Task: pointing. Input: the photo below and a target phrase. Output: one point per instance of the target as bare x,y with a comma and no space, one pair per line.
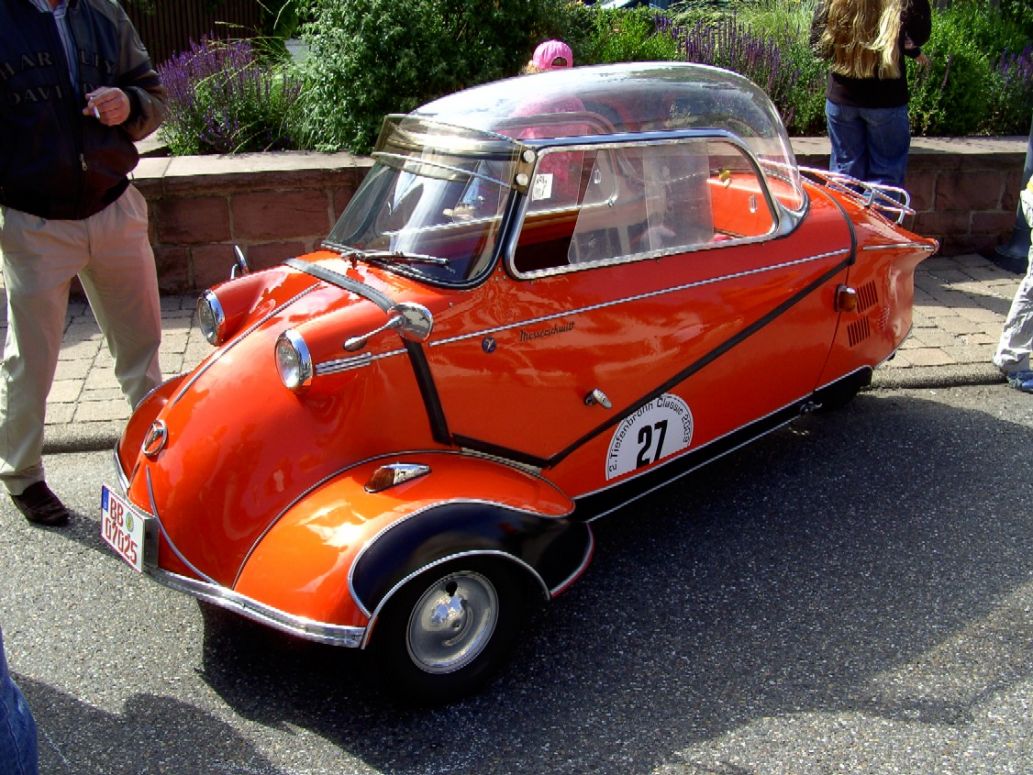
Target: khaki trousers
1016,345
111,254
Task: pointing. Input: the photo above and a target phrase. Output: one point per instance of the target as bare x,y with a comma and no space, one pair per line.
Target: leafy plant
1011,95
222,99
373,57
783,66
635,35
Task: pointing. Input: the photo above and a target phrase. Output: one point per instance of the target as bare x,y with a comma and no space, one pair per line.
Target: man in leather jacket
77,88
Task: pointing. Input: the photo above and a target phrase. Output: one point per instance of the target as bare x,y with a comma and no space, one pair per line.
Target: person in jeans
76,90
1013,351
18,748
866,95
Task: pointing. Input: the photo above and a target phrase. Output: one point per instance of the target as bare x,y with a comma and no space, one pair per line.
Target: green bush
369,58
628,36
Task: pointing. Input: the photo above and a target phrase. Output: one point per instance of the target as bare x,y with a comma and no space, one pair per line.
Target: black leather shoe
41,507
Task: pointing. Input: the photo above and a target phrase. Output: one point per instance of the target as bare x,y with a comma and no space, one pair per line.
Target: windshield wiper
411,258
353,254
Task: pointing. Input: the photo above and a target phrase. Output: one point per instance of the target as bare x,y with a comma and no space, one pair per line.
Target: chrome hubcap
452,622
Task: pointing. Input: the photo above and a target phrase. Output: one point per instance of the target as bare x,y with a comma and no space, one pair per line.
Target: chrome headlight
211,318
293,360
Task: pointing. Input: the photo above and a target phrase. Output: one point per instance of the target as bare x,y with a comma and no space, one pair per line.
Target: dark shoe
1021,380
41,507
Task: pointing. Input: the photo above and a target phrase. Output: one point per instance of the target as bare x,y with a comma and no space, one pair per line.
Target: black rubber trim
555,547
429,392
339,280
602,502
717,352
709,358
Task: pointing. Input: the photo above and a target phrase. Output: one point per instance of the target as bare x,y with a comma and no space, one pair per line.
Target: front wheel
446,632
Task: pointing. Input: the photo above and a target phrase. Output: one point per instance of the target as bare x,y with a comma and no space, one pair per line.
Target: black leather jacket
55,162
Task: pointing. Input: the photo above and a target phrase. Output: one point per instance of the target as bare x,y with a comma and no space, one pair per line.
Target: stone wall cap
222,166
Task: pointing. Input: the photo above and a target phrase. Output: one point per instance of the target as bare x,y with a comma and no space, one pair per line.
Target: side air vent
867,296
858,331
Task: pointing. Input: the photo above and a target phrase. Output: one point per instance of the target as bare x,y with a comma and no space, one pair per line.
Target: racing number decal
656,430
645,440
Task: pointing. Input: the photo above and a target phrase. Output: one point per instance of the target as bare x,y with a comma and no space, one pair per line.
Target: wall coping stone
219,169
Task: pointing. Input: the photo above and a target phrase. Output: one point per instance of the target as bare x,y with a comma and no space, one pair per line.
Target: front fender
338,550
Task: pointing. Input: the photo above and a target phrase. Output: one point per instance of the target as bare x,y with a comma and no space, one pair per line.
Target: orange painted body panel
549,353
302,564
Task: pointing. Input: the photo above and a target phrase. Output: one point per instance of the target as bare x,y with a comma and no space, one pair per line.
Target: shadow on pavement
150,735
865,562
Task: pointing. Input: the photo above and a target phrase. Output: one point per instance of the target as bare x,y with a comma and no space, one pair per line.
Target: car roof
632,97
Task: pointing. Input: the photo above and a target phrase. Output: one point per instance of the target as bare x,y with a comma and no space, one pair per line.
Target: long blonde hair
861,37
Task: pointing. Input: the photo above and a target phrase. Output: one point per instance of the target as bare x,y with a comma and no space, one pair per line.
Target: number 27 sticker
654,431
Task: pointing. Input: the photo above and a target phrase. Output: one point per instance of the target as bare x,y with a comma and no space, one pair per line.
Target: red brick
936,223
173,263
342,196
193,221
977,190
996,222
270,254
274,215
921,184
210,264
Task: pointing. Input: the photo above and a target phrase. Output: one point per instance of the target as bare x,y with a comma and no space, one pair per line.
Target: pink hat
547,53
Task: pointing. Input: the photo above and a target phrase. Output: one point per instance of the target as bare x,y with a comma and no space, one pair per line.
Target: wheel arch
547,553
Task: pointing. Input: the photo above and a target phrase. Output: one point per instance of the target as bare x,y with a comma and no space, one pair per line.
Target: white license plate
122,528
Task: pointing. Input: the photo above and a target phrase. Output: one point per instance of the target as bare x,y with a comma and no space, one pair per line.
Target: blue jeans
18,753
869,144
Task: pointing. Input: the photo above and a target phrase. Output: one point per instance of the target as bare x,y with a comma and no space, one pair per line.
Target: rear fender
339,551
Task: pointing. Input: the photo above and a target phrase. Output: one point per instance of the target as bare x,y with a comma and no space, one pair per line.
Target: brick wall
280,205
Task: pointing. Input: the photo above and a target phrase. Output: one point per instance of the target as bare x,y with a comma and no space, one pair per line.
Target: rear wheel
445,633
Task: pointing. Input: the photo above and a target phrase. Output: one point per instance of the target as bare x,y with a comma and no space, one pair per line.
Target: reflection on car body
521,322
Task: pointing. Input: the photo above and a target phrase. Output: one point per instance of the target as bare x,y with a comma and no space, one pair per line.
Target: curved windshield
433,203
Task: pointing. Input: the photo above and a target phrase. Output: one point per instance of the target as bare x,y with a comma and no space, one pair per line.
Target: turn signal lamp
394,474
846,299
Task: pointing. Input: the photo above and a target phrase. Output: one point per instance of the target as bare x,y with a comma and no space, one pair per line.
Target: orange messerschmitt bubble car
540,305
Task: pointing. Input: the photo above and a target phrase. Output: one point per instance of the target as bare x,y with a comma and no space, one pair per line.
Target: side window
659,203
737,196
627,201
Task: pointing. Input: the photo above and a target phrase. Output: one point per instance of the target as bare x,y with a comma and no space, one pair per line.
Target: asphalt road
853,593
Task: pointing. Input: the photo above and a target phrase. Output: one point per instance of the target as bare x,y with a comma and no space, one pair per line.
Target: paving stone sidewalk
960,305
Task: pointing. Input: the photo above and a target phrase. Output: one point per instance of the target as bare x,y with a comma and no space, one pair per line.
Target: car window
633,201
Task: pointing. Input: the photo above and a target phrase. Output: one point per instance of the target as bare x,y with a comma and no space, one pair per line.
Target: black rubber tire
402,672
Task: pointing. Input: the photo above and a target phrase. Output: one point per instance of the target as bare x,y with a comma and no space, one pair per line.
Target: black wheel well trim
336,473
528,571
421,511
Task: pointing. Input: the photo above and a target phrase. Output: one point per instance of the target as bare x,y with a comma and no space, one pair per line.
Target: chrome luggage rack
892,202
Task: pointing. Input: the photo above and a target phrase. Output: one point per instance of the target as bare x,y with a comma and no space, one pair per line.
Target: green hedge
368,58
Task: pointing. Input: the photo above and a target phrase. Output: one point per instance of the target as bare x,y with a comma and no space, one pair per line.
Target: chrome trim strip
902,246
357,362
217,355
164,533
472,553
715,440
640,296
123,480
564,585
858,370
309,629
411,515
